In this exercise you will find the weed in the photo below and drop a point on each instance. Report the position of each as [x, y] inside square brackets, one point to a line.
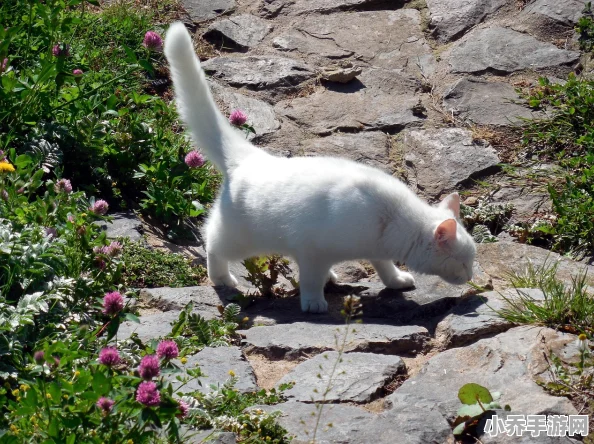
[267, 284]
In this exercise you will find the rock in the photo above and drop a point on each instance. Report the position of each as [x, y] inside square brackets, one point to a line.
[473, 318]
[354, 425]
[359, 377]
[201, 10]
[471, 201]
[151, 326]
[507, 363]
[244, 31]
[259, 72]
[272, 8]
[485, 103]
[525, 438]
[216, 363]
[290, 341]
[205, 298]
[341, 75]
[126, 225]
[206, 436]
[367, 36]
[451, 19]
[378, 100]
[502, 50]
[501, 258]
[350, 271]
[546, 19]
[370, 148]
[439, 160]
[525, 200]
[260, 114]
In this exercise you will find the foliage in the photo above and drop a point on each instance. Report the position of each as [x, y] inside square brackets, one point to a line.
[569, 308]
[266, 284]
[486, 219]
[568, 134]
[482, 235]
[194, 332]
[148, 268]
[477, 401]
[98, 125]
[585, 28]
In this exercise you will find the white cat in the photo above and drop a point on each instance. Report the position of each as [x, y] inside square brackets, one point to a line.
[319, 211]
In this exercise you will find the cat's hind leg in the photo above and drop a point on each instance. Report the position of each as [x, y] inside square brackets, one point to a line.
[312, 276]
[218, 246]
[392, 277]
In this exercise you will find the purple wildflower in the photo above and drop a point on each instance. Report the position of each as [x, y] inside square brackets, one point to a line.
[99, 207]
[109, 356]
[113, 303]
[2, 156]
[238, 117]
[183, 407]
[100, 250]
[4, 65]
[148, 394]
[105, 404]
[167, 350]
[114, 249]
[21, 190]
[4, 195]
[61, 50]
[71, 218]
[152, 41]
[51, 232]
[77, 72]
[149, 367]
[194, 159]
[63, 185]
[39, 356]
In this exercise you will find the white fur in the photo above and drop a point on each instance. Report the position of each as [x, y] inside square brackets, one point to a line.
[319, 211]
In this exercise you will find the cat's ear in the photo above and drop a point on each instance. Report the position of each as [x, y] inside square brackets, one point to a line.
[452, 202]
[445, 233]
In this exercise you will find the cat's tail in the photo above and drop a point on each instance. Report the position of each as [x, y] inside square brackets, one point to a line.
[222, 144]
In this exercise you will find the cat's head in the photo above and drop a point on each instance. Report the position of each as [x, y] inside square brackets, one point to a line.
[452, 248]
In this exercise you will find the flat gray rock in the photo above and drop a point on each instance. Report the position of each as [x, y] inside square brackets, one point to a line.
[201, 10]
[350, 271]
[370, 148]
[506, 363]
[472, 319]
[502, 50]
[259, 72]
[439, 160]
[151, 326]
[451, 19]
[370, 37]
[260, 114]
[526, 201]
[485, 103]
[244, 31]
[360, 377]
[378, 99]
[548, 19]
[353, 425]
[305, 338]
[126, 225]
[501, 258]
[272, 8]
[216, 363]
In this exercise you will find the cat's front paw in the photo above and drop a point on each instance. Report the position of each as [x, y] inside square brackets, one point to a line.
[316, 305]
[228, 280]
[402, 280]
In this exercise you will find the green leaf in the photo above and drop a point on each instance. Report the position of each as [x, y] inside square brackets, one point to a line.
[470, 410]
[132, 317]
[471, 393]
[100, 383]
[130, 56]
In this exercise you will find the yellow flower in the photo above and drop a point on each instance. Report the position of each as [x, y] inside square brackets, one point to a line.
[246, 319]
[15, 392]
[6, 167]
[83, 215]
[93, 433]
[24, 387]
[184, 360]
[65, 396]
[129, 442]
[76, 374]
[231, 373]
[48, 396]
[14, 429]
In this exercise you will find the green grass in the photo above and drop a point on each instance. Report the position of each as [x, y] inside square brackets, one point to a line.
[567, 307]
[148, 268]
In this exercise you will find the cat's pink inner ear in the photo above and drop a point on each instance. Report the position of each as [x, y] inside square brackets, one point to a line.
[452, 202]
[446, 232]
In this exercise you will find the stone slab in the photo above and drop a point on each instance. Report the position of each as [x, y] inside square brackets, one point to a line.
[548, 19]
[126, 225]
[304, 338]
[272, 8]
[502, 50]
[243, 31]
[202, 10]
[357, 377]
[439, 160]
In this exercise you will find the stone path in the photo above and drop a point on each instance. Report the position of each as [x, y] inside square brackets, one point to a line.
[407, 87]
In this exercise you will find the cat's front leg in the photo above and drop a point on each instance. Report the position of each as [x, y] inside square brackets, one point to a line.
[392, 277]
[218, 271]
[312, 277]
